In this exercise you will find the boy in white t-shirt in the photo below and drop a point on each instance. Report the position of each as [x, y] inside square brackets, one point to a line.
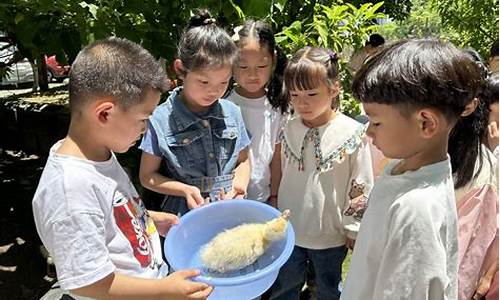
[414, 92]
[105, 244]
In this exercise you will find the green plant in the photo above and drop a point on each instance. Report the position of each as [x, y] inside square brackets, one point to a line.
[340, 27]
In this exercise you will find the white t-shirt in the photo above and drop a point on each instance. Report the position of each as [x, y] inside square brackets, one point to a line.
[407, 245]
[327, 196]
[263, 124]
[92, 221]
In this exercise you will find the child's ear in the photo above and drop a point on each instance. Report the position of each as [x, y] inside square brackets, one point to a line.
[179, 68]
[335, 89]
[429, 122]
[103, 111]
[470, 107]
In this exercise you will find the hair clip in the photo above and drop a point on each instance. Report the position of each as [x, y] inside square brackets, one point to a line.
[333, 55]
[236, 36]
[209, 21]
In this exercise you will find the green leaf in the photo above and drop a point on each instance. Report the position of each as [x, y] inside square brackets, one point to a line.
[19, 18]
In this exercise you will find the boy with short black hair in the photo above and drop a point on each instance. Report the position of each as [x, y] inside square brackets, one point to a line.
[413, 92]
[104, 243]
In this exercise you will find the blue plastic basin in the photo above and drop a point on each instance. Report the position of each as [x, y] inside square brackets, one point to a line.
[197, 227]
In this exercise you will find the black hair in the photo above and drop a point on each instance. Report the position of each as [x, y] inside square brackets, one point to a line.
[117, 68]
[376, 40]
[490, 91]
[464, 143]
[419, 73]
[203, 44]
[494, 49]
[264, 34]
[310, 66]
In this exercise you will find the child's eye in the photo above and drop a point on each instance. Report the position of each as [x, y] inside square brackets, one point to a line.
[203, 81]
[224, 82]
[243, 67]
[375, 124]
[312, 94]
[262, 67]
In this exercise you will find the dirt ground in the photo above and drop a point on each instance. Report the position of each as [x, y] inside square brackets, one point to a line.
[22, 266]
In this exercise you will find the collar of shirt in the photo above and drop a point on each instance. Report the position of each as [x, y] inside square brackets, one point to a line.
[184, 118]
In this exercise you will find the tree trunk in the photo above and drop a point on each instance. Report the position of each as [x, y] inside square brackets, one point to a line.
[34, 88]
[43, 83]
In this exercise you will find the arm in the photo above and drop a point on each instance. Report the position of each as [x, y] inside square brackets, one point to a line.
[485, 281]
[241, 177]
[153, 180]
[163, 221]
[275, 175]
[174, 286]
[359, 187]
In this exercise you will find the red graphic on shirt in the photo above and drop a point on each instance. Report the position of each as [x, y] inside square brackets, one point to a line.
[132, 224]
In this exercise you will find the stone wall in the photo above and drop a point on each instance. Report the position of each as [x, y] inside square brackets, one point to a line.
[32, 127]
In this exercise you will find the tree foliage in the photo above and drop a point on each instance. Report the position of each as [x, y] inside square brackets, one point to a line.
[474, 21]
[339, 27]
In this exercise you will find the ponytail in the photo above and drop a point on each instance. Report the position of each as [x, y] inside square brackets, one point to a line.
[275, 94]
[466, 138]
[464, 145]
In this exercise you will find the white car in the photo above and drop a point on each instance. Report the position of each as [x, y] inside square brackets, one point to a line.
[21, 72]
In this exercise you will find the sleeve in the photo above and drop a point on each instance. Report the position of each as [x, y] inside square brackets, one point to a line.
[72, 228]
[79, 250]
[244, 140]
[359, 187]
[283, 119]
[414, 263]
[149, 143]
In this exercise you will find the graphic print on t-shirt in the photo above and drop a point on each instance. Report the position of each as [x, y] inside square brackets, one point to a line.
[132, 219]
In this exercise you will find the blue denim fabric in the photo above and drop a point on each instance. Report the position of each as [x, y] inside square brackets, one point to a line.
[197, 149]
[327, 267]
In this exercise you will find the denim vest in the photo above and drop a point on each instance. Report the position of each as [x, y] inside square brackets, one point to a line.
[200, 150]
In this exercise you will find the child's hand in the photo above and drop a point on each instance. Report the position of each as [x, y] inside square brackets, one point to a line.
[493, 135]
[193, 197]
[180, 287]
[349, 243]
[234, 193]
[163, 221]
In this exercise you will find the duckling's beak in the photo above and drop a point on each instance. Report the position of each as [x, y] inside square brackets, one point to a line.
[286, 214]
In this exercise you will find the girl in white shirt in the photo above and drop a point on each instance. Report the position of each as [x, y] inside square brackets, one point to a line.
[258, 74]
[326, 175]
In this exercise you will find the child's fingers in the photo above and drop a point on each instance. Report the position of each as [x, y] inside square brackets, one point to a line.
[222, 194]
[202, 294]
[172, 219]
[188, 273]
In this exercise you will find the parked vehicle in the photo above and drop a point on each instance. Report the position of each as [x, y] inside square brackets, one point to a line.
[22, 72]
[56, 71]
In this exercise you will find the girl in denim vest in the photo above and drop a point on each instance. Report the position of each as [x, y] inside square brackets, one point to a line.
[195, 149]
[258, 74]
[326, 175]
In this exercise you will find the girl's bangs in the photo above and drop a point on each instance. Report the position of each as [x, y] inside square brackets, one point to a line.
[304, 75]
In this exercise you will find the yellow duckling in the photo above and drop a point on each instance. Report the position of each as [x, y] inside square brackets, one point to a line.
[241, 246]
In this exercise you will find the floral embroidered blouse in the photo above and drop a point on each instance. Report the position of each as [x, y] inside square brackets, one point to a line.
[327, 175]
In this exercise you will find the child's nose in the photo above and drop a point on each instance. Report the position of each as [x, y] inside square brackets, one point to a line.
[369, 131]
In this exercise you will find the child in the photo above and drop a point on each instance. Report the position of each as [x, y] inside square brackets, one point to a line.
[491, 98]
[413, 91]
[259, 60]
[105, 244]
[327, 174]
[196, 147]
[476, 191]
